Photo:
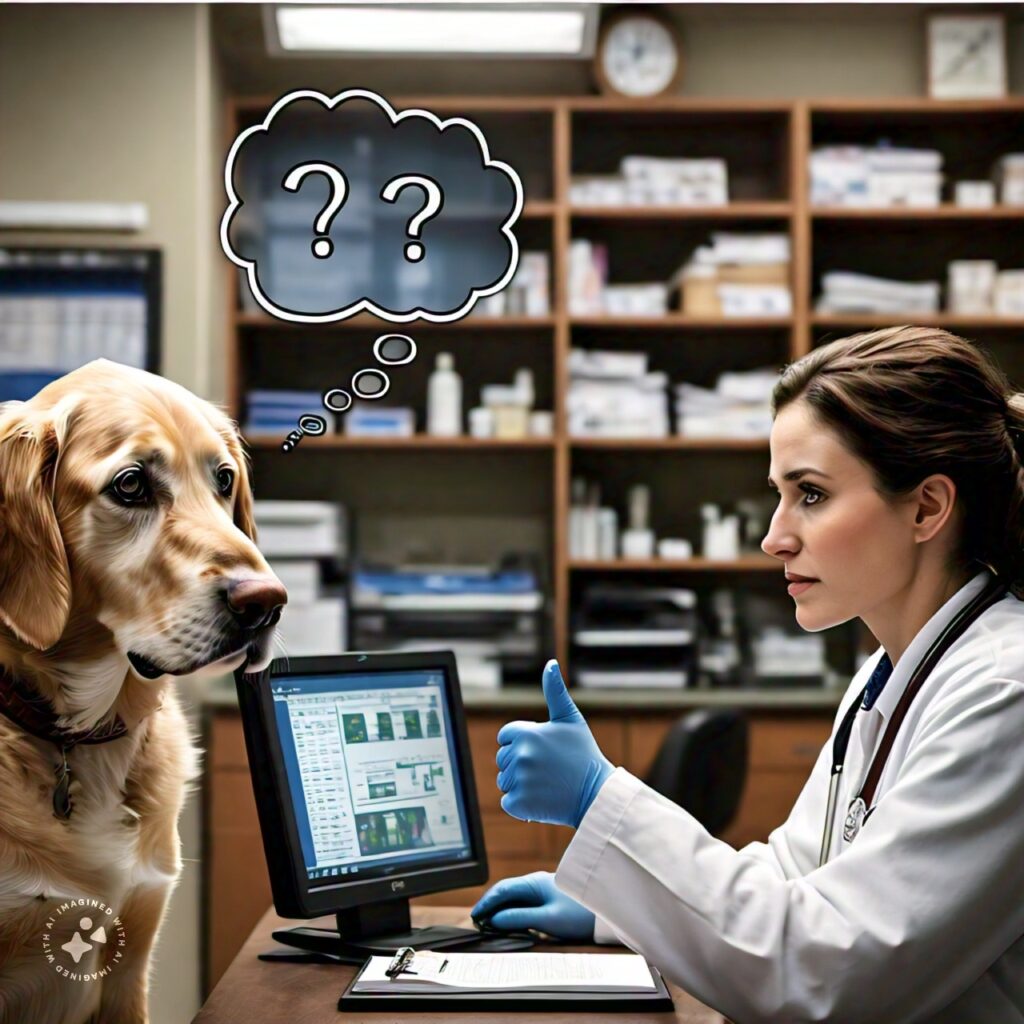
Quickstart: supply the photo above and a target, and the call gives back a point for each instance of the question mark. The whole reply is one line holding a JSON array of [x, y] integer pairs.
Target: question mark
[[309, 426], [414, 251], [322, 247]]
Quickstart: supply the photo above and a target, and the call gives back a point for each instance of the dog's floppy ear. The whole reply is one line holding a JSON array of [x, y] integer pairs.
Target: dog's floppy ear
[[243, 517], [35, 582]]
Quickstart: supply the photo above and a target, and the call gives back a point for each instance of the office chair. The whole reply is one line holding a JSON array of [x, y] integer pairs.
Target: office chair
[[702, 765]]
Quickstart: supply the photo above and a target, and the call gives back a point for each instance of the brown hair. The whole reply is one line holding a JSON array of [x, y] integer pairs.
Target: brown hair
[[913, 401]]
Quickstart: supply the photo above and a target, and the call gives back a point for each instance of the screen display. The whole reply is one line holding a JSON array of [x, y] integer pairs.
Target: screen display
[[372, 770]]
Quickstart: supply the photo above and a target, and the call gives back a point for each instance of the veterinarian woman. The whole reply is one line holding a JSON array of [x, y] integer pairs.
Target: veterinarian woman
[[897, 456]]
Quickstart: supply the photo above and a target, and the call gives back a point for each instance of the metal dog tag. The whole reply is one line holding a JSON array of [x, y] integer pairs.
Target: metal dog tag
[[854, 819]]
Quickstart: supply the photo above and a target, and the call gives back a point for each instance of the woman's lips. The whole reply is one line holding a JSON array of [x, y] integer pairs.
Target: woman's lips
[[799, 587]]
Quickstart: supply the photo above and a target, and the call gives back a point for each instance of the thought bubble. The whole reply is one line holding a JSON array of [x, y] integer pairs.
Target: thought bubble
[[367, 209]]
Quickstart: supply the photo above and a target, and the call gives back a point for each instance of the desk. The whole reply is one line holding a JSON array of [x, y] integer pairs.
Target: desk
[[254, 992]]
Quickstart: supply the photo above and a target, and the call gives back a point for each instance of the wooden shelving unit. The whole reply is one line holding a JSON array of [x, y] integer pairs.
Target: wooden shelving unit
[[766, 144], [549, 140]]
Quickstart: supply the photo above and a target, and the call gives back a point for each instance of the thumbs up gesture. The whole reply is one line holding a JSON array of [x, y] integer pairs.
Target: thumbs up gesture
[[551, 771]]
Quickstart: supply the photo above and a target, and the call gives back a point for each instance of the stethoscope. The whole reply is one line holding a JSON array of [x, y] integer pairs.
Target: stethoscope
[[858, 812]]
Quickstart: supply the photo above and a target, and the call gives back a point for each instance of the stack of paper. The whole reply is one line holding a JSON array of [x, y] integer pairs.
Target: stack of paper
[[612, 394], [860, 176], [532, 972], [737, 275], [738, 406], [655, 181], [847, 292]]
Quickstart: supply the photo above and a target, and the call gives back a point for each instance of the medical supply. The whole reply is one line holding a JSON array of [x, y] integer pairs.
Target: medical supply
[[444, 399], [848, 292], [975, 195], [553, 771], [511, 418], [638, 539], [379, 421], [655, 181], [542, 423], [607, 533], [301, 529], [675, 548], [738, 406], [882, 175], [523, 383], [971, 286], [1008, 298], [860, 806], [527, 293], [481, 421], [720, 535], [612, 394], [1009, 176], [736, 275]]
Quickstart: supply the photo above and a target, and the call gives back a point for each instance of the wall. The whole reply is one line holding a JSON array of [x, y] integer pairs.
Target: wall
[[117, 103], [745, 50]]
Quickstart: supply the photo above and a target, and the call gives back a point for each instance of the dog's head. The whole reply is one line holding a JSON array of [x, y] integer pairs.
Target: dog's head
[[125, 501]]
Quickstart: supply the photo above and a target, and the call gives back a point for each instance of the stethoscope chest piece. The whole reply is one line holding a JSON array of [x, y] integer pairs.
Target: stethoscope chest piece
[[855, 815]]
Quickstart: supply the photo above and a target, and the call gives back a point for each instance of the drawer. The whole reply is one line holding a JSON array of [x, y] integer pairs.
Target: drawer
[[788, 742]]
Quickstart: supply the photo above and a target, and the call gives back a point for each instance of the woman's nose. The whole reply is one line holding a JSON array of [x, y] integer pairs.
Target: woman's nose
[[778, 540]]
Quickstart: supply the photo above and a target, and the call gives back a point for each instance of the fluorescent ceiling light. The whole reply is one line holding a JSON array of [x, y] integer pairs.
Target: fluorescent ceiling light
[[433, 30]]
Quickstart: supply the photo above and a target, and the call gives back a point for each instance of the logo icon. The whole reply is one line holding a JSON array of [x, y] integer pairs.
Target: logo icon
[[84, 940]]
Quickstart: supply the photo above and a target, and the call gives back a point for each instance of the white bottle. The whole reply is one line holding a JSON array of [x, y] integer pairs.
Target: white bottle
[[444, 399], [710, 515]]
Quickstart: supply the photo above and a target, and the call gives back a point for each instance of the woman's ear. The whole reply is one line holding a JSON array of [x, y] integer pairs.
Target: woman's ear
[[35, 581]]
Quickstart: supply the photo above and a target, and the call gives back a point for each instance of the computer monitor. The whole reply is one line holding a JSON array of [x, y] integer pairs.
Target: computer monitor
[[364, 788]]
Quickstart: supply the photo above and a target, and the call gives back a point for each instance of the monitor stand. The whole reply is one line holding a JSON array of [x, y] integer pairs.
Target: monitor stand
[[376, 928]]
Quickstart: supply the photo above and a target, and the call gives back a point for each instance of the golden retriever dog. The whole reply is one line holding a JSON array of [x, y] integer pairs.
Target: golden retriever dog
[[127, 557]]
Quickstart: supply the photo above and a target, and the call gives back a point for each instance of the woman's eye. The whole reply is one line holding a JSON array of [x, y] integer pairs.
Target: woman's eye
[[131, 487], [812, 494], [225, 481]]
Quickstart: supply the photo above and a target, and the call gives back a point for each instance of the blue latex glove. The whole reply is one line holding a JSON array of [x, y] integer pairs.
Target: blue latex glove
[[551, 771], [533, 901]]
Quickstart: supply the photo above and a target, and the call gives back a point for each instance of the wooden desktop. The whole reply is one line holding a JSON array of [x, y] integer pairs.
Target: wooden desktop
[[252, 991]]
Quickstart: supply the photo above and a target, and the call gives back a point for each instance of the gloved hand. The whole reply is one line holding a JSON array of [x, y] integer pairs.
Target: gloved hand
[[551, 771], [533, 901]]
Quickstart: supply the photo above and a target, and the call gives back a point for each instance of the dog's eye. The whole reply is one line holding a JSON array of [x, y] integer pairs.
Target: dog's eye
[[225, 481], [131, 487]]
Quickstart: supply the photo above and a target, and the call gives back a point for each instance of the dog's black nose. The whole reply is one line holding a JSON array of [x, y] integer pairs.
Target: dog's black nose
[[256, 602]]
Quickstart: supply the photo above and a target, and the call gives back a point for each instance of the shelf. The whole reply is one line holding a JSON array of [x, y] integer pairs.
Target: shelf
[[678, 321], [747, 563], [717, 444], [739, 211], [920, 319], [364, 321], [947, 211], [417, 441]]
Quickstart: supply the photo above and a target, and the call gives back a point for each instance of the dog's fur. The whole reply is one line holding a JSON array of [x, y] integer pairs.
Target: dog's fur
[[83, 582]]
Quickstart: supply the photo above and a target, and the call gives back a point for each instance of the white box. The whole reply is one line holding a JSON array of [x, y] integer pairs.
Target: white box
[[300, 576], [300, 529], [316, 628], [975, 195]]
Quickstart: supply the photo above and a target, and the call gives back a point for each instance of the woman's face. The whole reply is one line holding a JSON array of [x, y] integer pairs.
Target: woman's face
[[831, 525]]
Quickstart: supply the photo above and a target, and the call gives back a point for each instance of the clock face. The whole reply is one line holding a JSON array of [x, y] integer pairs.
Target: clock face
[[966, 57], [639, 57]]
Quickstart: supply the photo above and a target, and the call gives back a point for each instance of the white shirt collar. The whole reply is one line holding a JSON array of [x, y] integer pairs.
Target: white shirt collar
[[926, 635]]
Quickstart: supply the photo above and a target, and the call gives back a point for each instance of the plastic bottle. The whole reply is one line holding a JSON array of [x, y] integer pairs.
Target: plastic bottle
[[444, 398]]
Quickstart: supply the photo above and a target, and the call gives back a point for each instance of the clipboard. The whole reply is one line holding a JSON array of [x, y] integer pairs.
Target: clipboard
[[578, 1000]]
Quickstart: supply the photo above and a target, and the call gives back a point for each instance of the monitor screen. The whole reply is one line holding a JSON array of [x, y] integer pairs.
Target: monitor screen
[[373, 772]]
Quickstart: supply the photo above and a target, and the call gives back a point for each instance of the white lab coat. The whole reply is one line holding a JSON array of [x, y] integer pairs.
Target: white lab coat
[[920, 918]]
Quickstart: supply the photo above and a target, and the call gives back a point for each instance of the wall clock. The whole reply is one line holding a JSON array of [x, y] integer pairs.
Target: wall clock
[[966, 56], [639, 53]]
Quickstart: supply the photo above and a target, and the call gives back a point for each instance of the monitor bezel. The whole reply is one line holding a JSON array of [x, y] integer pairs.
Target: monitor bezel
[[295, 895]]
